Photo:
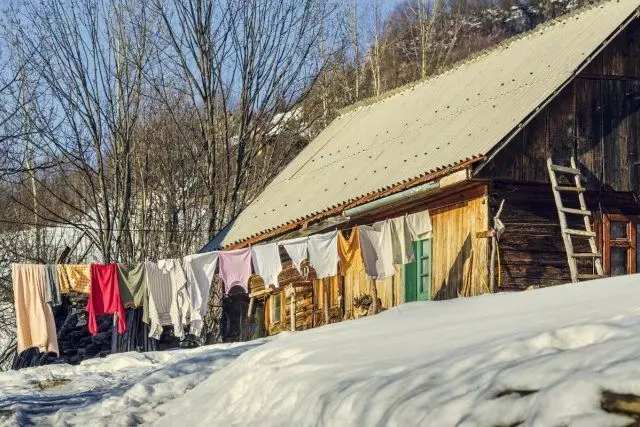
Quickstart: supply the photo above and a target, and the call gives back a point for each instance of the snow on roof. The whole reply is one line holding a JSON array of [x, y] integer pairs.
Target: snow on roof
[[536, 358], [459, 114]]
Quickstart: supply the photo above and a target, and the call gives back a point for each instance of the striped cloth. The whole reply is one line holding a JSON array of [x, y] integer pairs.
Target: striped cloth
[[168, 296], [74, 277]]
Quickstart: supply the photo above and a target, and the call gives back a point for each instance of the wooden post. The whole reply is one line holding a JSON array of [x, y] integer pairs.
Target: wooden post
[[494, 248], [374, 297], [249, 319], [325, 286], [292, 303]]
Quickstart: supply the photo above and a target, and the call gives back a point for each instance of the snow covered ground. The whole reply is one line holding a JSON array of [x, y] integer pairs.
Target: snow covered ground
[[536, 358]]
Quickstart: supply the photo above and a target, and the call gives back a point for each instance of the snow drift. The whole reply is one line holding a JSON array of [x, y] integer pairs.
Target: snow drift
[[538, 358]]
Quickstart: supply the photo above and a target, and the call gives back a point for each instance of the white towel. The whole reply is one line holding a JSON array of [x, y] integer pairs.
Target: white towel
[[199, 270], [297, 250], [377, 250], [266, 263], [323, 254], [420, 225], [401, 241]]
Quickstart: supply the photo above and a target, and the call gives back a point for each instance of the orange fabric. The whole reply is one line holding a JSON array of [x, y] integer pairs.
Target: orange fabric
[[34, 318], [74, 277], [350, 253]]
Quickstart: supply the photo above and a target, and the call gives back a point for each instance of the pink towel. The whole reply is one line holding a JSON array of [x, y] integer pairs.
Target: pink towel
[[235, 268]]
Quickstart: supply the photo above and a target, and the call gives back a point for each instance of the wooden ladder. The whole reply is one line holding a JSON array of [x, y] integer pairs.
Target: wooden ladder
[[568, 233]]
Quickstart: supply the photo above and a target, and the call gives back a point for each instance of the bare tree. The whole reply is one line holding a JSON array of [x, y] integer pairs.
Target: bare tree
[[88, 59], [245, 64]]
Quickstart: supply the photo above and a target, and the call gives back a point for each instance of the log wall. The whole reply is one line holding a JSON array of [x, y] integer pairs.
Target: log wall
[[596, 118]]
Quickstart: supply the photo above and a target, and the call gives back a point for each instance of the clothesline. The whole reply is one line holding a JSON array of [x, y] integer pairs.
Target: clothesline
[[176, 291]]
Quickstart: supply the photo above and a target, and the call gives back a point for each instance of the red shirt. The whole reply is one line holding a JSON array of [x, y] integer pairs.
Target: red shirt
[[104, 297]]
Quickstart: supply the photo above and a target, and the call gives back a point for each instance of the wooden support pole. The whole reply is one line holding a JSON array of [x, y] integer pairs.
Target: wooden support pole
[[292, 304], [249, 319], [325, 286], [494, 248]]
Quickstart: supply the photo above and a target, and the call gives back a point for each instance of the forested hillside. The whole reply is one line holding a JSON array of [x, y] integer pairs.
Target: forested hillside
[[142, 127]]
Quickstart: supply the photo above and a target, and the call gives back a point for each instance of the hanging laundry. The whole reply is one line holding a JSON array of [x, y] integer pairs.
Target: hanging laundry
[[297, 250], [74, 277], [167, 287], [53, 286], [323, 254], [377, 251], [266, 263], [350, 253], [401, 241], [420, 225], [35, 324], [199, 270], [235, 268], [133, 287], [104, 297]]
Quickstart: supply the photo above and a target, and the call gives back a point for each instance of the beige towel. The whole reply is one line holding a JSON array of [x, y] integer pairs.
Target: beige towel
[[34, 318]]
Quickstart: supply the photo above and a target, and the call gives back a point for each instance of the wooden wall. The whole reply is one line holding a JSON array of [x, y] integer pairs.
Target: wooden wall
[[456, 248], [532, 252], [596, 118]]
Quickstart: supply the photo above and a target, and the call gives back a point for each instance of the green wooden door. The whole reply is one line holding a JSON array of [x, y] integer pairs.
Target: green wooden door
[[417, 275]]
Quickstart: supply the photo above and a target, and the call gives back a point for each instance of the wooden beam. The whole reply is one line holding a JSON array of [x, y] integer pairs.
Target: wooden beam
[[292, 295]]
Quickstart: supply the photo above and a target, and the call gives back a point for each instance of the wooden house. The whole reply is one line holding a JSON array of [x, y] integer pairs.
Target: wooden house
[[459, 145]]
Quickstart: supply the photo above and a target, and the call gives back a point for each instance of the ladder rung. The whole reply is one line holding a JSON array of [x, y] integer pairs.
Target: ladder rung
[[587, 255], [581, 233], [575, 211], [573, 189], [590, 276], [565, 169]]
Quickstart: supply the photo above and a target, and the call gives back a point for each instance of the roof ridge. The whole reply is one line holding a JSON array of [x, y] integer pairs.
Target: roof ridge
[[475, 56]]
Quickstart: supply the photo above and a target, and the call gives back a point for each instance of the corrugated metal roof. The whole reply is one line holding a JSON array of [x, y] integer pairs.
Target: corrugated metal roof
[[456, 115]]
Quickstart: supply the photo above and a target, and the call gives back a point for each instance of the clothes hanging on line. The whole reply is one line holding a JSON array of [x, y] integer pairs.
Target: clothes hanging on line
[[401, 241], [266, 263], [104, 297], [53, 296], [74, 277], [199, 270], [133, 285], [420, 225], [235, 268], [34, 318], [323, 254], [350, 253], [377, 251], [166, 284], [297, 250]]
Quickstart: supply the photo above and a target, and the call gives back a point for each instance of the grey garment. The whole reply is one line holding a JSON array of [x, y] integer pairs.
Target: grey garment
[[377, 250], [52, 289]]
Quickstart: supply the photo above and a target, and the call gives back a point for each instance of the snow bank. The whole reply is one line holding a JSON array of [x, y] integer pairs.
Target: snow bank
[[539, 358]]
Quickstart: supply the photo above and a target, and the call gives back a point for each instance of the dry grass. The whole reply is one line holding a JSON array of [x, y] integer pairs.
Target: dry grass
[[52, 382]]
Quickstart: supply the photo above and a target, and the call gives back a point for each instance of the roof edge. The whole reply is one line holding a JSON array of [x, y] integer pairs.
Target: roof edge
[[337, 209]]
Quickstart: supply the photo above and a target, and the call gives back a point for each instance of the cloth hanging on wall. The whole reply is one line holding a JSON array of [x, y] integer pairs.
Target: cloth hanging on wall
[[199, 270], [297, 250], [74, 277], [377, 251], [34, 319], [53, 296], [235, 268], [266, 263], [350, 253], [420, 225], [167, 285], [104, 297], [323, 254], [401, 241]]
